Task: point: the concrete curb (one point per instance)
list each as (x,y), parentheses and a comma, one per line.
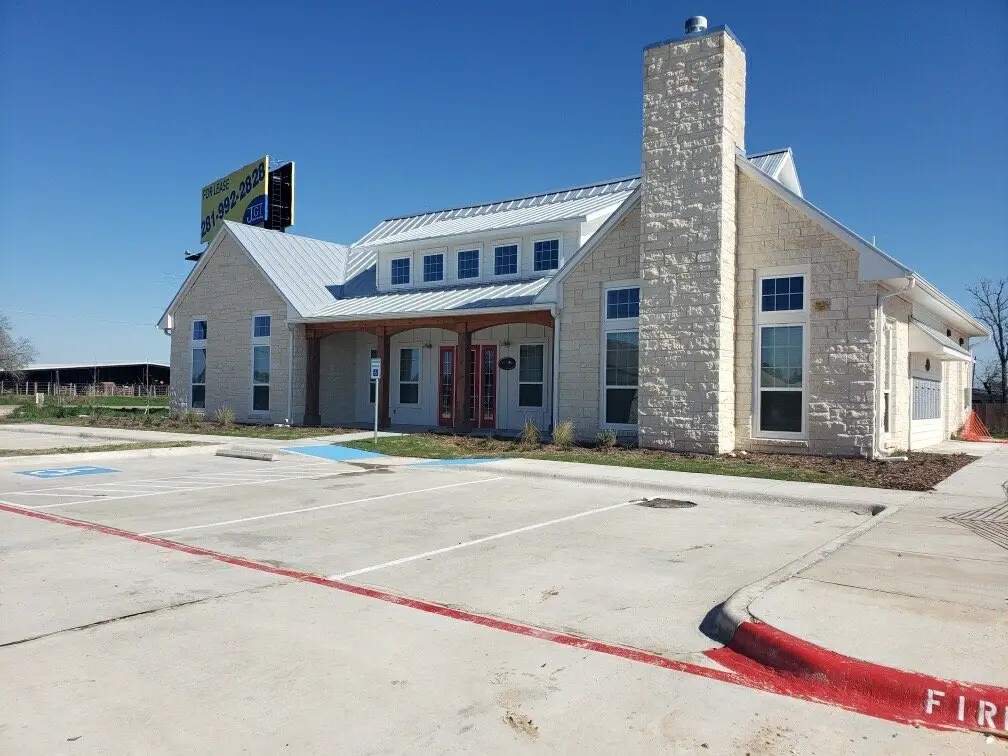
(817,672)
(735,610)
(170,451)
(703,490)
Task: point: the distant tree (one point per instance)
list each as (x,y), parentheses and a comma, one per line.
(991,300)
(14,353)
(988,375)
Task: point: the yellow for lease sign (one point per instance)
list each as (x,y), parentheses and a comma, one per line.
(240,196)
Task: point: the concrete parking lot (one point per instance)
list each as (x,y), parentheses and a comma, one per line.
(332,606)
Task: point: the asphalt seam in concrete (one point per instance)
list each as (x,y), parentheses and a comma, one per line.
(142,613)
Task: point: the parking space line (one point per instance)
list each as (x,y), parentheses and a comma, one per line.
(255,518)
(476,541)
(102,499)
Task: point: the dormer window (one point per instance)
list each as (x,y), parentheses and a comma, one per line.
(433,267)
(505,259)
(468,263)
(400,271)
(546,254)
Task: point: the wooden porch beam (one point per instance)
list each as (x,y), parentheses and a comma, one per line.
(463,379)
(382,395)
(392,326)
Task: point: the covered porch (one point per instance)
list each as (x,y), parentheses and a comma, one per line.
(483,372)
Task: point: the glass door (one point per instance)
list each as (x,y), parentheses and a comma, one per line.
(483,388)
(446,386)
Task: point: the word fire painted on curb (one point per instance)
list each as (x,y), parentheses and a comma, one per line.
(986,711)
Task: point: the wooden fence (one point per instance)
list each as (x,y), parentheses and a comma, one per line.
(994,416)
(82,389)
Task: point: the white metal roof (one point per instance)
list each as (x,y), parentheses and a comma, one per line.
(300,267)
(550,207)
(935,342)
(435,301)
(90,365)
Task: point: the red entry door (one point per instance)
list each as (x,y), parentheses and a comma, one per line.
(446,386)
(483,395)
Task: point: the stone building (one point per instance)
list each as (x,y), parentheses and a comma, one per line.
(704,305)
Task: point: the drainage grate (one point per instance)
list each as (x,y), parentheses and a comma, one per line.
(990,523)
(664,503)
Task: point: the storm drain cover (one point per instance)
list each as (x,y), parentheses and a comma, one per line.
(659,503)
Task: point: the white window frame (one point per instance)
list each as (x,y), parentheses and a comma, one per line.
(478,249)
(419,381)
(424,254)
(409,260)
(558,238)
(260,341)
(195,344)
(542,382)
(616,325)
(780,318)
(495,245)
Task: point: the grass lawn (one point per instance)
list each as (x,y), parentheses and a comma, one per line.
(919,473)
(134,418)
(98,401)
(125,446)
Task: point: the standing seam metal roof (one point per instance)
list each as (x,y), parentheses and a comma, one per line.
(539,208)
(299,266)
(514,294)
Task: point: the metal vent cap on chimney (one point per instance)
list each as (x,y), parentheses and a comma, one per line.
(696,24)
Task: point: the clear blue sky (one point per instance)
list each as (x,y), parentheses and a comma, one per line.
(114,115)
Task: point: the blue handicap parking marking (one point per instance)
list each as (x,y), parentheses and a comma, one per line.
(66,472)
(336,453)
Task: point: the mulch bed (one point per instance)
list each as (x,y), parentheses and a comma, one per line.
(920,472)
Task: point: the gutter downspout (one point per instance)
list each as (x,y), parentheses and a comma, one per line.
(880,300)
(555,312)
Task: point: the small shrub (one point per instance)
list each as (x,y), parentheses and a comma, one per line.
(225,416)
(530,434)
(189,417)
(563,435)
(606,439)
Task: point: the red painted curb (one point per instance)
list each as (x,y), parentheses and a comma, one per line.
(759,657)
(859,685)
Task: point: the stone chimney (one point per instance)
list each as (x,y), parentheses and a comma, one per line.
(694,121)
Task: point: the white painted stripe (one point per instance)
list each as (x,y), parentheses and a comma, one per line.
(321,506)
(102,499)
(476,541)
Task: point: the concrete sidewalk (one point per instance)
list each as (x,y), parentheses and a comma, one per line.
(97,434)
(926,590)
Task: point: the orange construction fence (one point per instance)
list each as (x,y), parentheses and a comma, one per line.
(975,430)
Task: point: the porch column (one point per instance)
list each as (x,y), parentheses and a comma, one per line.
(463,379)
(312,372)
(382,396)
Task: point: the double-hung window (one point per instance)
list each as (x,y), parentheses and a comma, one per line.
(546,254)
(506,259)
(468,264)
(197,373)
(621,347)
(409,375)
(782,330)
(531,371)
(433,267)
(261,337)
(400,271)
